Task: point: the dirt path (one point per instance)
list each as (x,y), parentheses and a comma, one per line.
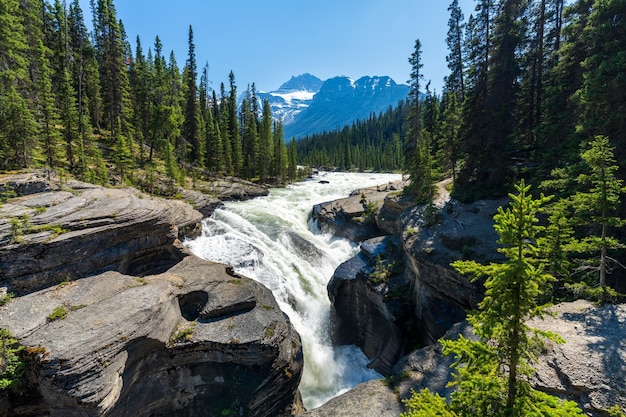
(443,195)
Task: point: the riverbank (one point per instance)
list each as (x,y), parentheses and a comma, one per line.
(116,317)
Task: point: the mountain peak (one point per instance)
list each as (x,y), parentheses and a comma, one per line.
(305,81)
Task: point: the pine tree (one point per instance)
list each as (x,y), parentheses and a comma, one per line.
(414,120)
(597,205)
(280,159)
(49,150)
(250,146)
(140,83)
(111,54)
(192,126)
(455,82)
(265,142)
(233,127)
(224,125)
(69,115)
(292,165)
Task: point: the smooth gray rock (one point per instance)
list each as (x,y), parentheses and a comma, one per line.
(117,353)
(344,217)
(369,399)
(72,230)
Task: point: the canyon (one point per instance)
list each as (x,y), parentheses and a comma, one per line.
(145,327)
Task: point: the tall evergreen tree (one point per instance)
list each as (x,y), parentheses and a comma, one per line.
(140,83)
(265,142)
(234,134)
(192,126)
(292,164)
(280,158)
(455,81)
(111,53)
(492,372)
(597,205)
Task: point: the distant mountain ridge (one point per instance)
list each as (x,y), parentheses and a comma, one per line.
(308,105)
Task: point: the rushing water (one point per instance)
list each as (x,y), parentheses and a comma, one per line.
(272,240)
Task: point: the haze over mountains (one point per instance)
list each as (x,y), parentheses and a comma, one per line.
(308,105)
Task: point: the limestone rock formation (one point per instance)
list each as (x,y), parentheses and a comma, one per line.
(119,318)
(369,399)
(347,217)
(54,232)
(588,368)
(362,313)
(190,341)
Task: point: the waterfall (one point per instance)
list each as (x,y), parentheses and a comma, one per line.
(271,240)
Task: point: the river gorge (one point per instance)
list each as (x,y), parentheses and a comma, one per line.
(132,304)
(274,241)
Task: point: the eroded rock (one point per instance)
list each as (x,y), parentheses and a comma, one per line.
(64,231)
(125,347)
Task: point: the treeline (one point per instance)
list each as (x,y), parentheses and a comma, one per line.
(371,144)
(83,102)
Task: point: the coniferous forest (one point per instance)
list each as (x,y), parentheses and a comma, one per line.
(83,103)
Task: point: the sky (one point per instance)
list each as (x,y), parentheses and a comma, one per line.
(266,42)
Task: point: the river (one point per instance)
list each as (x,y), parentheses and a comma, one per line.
(272,240)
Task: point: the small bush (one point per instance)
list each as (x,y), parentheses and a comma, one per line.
(4,299)
(11,368)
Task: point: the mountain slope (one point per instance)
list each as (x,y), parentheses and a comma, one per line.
(292,97)
(340,101)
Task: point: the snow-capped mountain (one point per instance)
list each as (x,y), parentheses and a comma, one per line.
(292,97)
(308,105)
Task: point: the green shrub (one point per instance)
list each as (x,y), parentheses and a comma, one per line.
(11,368)
(58,313)
(4,299)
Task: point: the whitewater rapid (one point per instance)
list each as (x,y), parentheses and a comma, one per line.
(272,240)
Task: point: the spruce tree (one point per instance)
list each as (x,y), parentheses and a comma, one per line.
(234,134)
(597,206)
(292,164)
(280,158)
(192,126)
(455,82)
(265,142)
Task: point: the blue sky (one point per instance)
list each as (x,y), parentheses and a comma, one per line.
(268,41)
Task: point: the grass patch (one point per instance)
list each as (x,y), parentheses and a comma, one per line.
(21,226)
(183,333)
(58,313)
(5,298)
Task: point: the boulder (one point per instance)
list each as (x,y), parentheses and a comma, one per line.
(369,399)
(347,217)
(190,341)
(433,237)
(231,188)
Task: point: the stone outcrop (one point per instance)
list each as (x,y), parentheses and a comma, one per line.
(347,217)
(370,399)
(588,367)
(362,313)
(118,318)
(193,340)
(54,232)
(231,188)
